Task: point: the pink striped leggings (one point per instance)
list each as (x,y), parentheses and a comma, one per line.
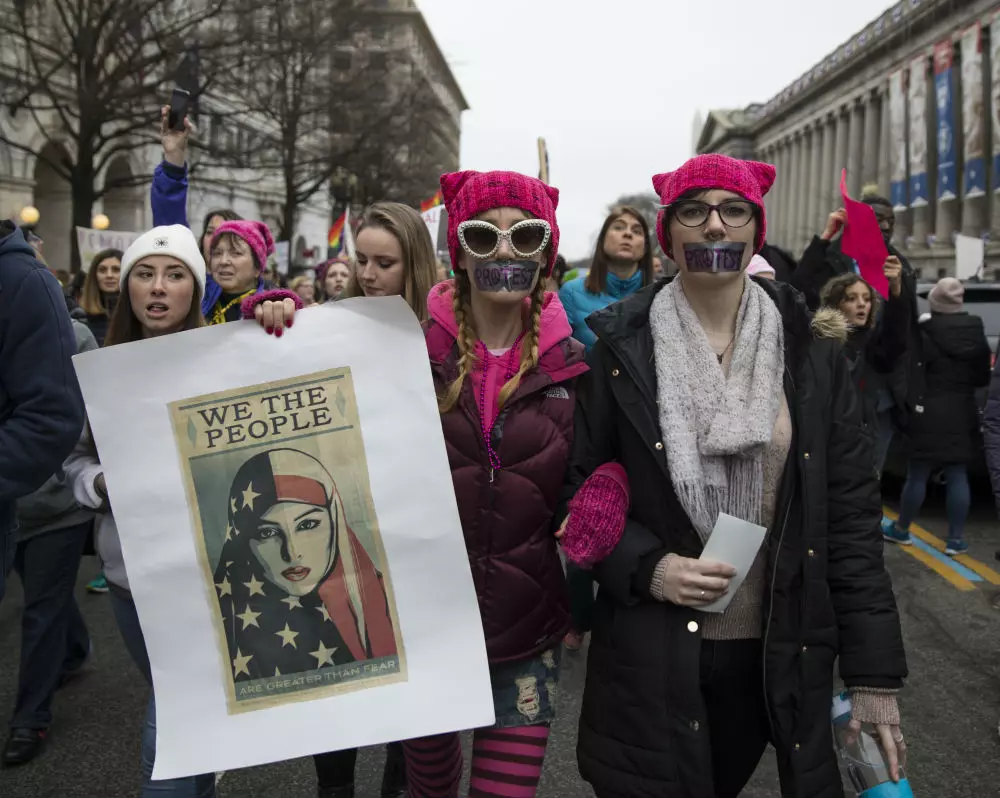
(506,763)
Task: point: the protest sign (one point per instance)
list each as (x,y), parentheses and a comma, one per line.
(432,218)
(91,241)
(291,536)
(863,240)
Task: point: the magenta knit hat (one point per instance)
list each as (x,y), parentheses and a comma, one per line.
(468,194)
(750,179)
(256,234)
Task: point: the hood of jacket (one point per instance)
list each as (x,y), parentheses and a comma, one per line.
(958,335)
(554,329)
(12,240)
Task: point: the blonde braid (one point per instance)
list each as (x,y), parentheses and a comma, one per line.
(466,341)
(529,344)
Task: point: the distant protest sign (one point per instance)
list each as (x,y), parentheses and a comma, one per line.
(91,241)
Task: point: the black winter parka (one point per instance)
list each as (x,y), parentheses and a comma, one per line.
(643,729)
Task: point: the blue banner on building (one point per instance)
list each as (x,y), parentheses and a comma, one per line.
(918,109)
(974,172)
(947,171)
(897,141)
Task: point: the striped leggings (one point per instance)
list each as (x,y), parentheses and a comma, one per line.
(506,763)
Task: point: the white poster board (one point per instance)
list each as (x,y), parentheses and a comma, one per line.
(283,256)
(432,218)
(353,384)
(91,241)
(969,254)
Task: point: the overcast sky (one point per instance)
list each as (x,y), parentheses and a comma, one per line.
(614,86)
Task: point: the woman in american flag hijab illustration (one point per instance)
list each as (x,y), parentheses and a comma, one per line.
(296,589)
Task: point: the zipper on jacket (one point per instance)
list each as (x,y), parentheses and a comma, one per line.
(774,576)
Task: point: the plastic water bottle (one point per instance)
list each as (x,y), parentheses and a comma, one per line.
(866,762)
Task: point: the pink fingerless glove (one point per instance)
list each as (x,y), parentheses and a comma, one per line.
(248,305)
(597,516)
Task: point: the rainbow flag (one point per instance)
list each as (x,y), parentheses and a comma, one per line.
(433,202)
(337,232)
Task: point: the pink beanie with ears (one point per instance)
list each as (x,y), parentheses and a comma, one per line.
(256,234)
(750,179)
(468,194)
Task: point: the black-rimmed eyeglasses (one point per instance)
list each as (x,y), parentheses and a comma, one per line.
(734,213)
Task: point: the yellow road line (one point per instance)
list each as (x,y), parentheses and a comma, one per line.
(930,539)
(939,567)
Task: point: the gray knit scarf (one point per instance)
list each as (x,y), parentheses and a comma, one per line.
(715,429)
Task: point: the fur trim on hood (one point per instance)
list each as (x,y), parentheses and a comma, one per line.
(830,323)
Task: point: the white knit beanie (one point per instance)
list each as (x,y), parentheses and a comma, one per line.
(174,240)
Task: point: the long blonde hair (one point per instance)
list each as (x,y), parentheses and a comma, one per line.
(419,261)
(468,338)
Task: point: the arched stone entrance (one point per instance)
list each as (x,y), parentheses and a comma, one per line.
(55,206)
(123,204)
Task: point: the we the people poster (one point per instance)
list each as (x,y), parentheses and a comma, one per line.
(287,536)
(291,536)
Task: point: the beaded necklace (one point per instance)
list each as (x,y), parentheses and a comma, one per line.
(494,458)
(219,314)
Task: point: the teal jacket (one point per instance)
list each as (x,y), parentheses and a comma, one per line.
(580,303)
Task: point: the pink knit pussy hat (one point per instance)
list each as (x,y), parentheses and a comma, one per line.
(468,194)
(750,179)
(256,234)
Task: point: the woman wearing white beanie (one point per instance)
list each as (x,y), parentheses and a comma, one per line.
(162,283)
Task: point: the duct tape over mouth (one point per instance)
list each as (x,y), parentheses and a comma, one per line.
(504,275)
(721,256)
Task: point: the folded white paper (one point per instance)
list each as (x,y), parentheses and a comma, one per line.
(734,542)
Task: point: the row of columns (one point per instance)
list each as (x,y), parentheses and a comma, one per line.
(856,134)
(809,162)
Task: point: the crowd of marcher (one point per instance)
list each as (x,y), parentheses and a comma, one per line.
(619,411)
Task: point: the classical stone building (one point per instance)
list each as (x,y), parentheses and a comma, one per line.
(910,106)
(27,180)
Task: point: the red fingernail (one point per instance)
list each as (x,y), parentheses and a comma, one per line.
(269,330)
(288,324)
(278,332)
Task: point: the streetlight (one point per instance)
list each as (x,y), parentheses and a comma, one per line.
(30,215)
(100,222)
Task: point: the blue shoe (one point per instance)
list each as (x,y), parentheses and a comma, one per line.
(953,547)
(98,584)
(894,534)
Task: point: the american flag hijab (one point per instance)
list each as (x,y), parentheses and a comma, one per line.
(274,628)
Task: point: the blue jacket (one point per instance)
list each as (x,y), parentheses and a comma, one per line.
(580,303)
(41,409)
(168,198)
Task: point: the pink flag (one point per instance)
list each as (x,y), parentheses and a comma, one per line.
(862,240)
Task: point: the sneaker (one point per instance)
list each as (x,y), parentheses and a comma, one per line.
(573,641)
(98,584)
(953,547)
(894,534)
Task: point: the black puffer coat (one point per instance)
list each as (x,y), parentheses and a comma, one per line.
(944,419)
(643,729)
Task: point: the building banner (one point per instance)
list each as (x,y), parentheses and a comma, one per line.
(947,183)
(974,173)
(995,96)
(288,520)
(917,100)
(897,140)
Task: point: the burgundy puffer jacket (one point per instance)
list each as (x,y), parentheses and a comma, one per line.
(507,513)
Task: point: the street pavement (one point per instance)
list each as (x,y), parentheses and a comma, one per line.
(951,705)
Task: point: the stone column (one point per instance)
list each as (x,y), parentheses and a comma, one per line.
(787,189)
(884,146)
(840,154)
(776,195)
(828,178)
(798,187)
(815,196)
(854,156)
(870,157)
(920,215)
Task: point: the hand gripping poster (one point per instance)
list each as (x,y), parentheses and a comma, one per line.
(296,562)
(291,537)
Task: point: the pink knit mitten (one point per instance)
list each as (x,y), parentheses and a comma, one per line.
(597,516)
(249,305)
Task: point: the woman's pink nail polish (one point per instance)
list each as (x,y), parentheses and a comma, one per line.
(278,332)
(269,330)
